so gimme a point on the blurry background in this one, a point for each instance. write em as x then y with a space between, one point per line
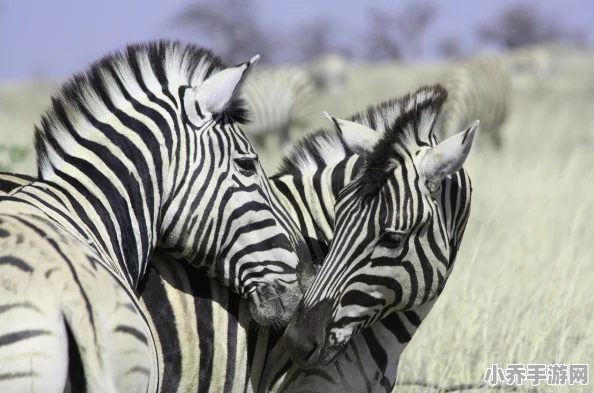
522 288
377 42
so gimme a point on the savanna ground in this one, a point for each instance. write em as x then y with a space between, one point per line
522 290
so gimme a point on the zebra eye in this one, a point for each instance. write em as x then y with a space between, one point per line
246 165
392 240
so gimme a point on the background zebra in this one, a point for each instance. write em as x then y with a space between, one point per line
92 230
278 99
479 88
328 72
535 60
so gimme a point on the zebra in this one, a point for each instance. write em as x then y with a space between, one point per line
536 61
278 99
397 230
141 151
283 97
480 88
328 72
187 311
11 181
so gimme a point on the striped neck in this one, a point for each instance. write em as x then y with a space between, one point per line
310 196
114 181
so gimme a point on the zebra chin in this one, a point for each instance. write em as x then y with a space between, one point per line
307 340
274 304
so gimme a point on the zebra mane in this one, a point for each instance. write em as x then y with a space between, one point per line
405 123
139 69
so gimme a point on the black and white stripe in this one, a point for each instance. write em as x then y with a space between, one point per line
202 329
397 229
478 88
213 320
141 150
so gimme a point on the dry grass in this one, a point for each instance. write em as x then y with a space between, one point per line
523 287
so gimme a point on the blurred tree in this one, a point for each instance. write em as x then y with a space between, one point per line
383 41
521 25
233 26
450 48
312 39
393 36
413 23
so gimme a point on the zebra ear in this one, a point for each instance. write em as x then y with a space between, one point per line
215 93
447 157
357 137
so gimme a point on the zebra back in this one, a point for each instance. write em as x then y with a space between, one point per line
329 72
278 99
478 88
67 322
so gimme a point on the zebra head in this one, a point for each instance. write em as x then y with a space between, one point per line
222 214
398 225
147 146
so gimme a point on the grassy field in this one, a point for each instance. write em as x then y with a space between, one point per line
523 287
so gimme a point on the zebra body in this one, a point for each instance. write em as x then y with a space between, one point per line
141 151
278 99
206 342
536 61
202 331
56 291
478 88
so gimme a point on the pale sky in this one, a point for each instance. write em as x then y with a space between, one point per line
52 39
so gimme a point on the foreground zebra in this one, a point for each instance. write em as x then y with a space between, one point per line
278 99
140 151
478 88
210 318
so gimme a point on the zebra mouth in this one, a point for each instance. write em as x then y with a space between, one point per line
267 306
